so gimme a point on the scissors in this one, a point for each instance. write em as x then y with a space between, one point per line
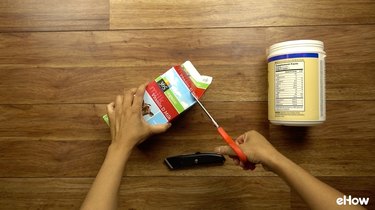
227 138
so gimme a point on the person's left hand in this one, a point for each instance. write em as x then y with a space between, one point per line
128 128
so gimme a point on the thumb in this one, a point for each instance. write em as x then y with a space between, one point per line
225 150
156 129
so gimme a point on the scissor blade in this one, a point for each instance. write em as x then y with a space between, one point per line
204 109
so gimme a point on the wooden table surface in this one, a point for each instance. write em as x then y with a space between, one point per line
62 61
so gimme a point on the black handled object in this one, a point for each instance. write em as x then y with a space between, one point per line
197 159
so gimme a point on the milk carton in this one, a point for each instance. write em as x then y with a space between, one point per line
169 94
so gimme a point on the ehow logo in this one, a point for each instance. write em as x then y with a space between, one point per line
352 201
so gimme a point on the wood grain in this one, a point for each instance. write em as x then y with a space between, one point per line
84 122
207 193
62 61
242 46
155 193
102 84
228 13
91 67
70 146
342 146
84 158
54 15
354 186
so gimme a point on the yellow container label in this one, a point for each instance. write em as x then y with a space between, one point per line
296 87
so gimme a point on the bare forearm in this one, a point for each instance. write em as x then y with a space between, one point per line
314 192
103 192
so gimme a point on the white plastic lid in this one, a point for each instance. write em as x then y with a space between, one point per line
297 46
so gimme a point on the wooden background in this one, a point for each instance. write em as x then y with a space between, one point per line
62 61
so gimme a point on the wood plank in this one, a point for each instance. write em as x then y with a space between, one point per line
337 44
353 185
84 158
325 150
90 67
342 146
54 15
146 193
228 13
54 86
169 47
84 122
57 152
208 193
53 122
101 85
133 48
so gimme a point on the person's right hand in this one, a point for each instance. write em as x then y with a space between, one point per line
255 146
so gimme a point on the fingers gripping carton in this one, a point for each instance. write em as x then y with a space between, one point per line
169 94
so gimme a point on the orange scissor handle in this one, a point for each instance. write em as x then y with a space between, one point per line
236 149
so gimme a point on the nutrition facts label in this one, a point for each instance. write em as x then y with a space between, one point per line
289 86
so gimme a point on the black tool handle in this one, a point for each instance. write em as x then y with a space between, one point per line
191 160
